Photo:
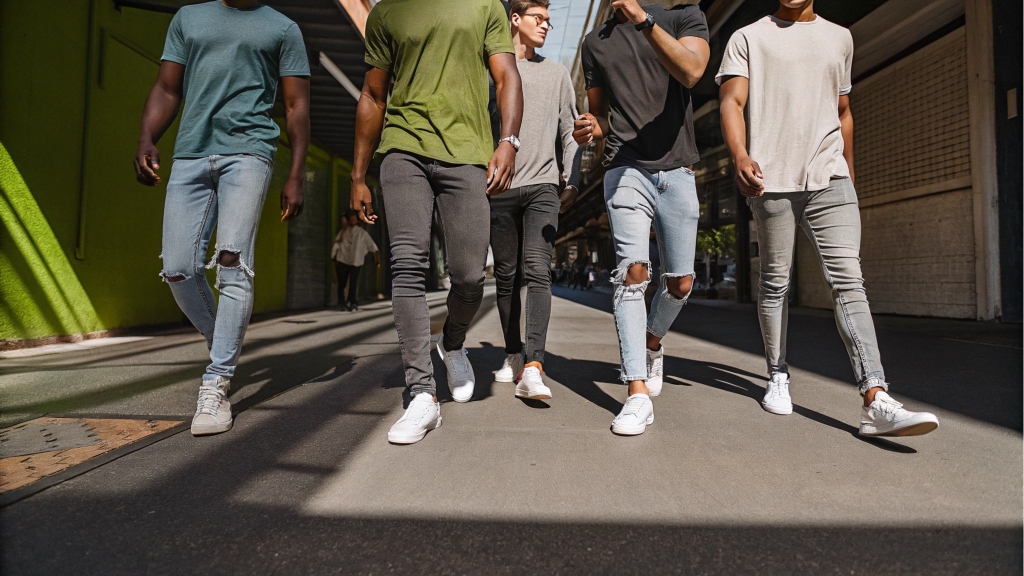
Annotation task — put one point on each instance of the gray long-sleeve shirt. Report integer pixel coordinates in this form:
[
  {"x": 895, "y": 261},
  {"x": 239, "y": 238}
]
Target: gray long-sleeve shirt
[{"x": 549, "y": 110}]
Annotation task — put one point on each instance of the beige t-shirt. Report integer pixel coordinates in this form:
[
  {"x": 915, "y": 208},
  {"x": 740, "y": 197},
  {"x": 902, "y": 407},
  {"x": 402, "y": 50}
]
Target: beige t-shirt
[
  {"x": 796, "y": 71},
  {"x": 352, "y": 245}
]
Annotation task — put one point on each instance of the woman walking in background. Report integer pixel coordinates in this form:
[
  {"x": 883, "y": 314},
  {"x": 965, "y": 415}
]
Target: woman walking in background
[{"x": 351, "y": 246}]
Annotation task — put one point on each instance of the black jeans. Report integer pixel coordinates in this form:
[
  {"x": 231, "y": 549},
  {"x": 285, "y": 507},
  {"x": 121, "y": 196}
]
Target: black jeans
[
  {"x": 414, "y": 188},
  {"x": 349, "y": 273},
  {"x": 523, "y": 225}
]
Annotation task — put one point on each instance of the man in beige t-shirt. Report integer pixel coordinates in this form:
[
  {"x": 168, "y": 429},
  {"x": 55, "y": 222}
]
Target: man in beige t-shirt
[{"x": 791, "y": 71}]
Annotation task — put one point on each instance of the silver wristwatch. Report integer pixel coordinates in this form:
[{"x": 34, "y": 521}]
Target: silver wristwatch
[{"x": 511, "y": 140}]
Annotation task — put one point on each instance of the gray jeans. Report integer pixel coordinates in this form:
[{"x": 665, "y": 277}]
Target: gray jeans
[
  {"x": 831, "y": 219},
  {"x": 523, "y": 225},
  {"x": 413, "y": 189}
]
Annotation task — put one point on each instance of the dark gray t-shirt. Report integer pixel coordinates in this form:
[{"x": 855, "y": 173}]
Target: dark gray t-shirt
[
  {"x": 233, "y": 59},
  {"x": 651, "y": 113}
]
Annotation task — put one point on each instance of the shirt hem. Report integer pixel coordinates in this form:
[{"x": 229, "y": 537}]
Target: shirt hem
[
  {"x": 431, "y": 156},
  {"x": 196, "y": 155}
]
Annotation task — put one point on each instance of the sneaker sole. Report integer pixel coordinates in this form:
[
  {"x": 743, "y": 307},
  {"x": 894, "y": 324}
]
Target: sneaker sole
[
  {"x": 504, "y": 379},
  {"x": 624, "y": 431},
  {"x": 403, "y": 440},
  {"x": 540, "y": 396},
  {"x": 779, "y": 411},
  {"x": 919, "y": 429},
  {"x": 211, "y": 430}
]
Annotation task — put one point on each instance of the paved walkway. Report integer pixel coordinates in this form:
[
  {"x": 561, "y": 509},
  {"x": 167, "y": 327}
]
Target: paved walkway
[{"x": 307, "y": 483}]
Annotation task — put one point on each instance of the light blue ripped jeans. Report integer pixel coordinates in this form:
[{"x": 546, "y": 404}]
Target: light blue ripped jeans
[
  {"x": 637, "y": 199},
  {"x": 225, "y": 193}
]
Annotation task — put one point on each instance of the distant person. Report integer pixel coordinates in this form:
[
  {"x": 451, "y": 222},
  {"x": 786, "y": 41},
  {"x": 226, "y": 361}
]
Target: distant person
[
  {"x": 639, "y": 68},
  {"x": 351, "y": 246},
  {"x": 434, "y": 136},
  {"x": 225, "y": 60},
  {"x": 791, "y": 71},
  {"x": 524, "y": 219}
]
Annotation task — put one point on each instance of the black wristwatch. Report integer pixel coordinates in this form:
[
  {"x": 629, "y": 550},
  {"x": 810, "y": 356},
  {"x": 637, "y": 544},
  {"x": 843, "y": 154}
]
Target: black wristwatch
[{"x": 647, "y": 23}]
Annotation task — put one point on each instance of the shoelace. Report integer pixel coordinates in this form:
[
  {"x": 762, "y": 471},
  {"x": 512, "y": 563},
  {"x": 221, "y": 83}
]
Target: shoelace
[
  {"x": 209, "y": 401},
  {"x": 531, "y": 371},
  {"x": 460, "y": 363},
  {"x": 655, "y": 367},
  {"x": 416, "y": 415},
  {"x": 632, "y": 407},
  {"x": 889, "y": 407},
  {"x": 775, "y": 388}
]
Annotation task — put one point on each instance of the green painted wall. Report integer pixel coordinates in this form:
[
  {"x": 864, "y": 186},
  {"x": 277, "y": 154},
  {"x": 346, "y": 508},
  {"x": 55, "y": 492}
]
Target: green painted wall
[{"x": 70, "y": 104}]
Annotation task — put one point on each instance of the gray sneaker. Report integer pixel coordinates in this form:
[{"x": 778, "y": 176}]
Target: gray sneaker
[{"x": 213, "y": 411}]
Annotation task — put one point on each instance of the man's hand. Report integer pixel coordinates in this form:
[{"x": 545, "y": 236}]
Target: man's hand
[
  {"x": 631, "y": 10},
  {"x": 749, "y": 177},
  {"x": 583, "y": 129},
  {"x": 567, "y": 198},
  {"x": 501, "y": 169},
  {"x": 147, "y": 162},
  {"x": 362, "y": 201},
  {"x": 292, "y": 199}
]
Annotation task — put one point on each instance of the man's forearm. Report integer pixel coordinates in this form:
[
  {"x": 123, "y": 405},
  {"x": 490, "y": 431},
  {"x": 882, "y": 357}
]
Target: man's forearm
[
  {"x": 160, "y": 110},
  {"x": 297, "y": 125},
  {"x": 369, "y": 125},
  {"x": 509, "y": 91},
  {"x": 685, "y": 65},
  {"x": 846, "y": 124},
  {"x": 734, "y": 129}
]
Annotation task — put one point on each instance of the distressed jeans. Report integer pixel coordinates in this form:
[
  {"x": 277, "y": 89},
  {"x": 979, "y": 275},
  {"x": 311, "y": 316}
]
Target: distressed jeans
[
  {"x": 414, "y": 188},
  {"x": 523, "y": 225},
  {"x": 225, "y": 193},
  {"x": 831, "y": 220},
  {"x": 637, "y": 199}
]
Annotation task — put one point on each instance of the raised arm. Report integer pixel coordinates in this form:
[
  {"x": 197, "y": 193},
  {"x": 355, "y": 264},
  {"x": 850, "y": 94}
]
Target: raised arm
[
  {"x": 684, "y": 58},
  {"x": 846, "y": 122},
  {"x": 369, "y": 125},
  {"x": 509, "y": 94},
  {"x": 295, "y": 93},
  {"x": 160, "y": 110},
  {"x": 733, "y": 98}
]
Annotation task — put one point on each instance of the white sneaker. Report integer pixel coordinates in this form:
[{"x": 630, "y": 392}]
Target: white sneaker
[
  {"x": 422, "y": 416},
  {"x": 655, "y": 370},
  {"x": 460, "y": 372},
  {"x": 886, "y": 417},
  {"x": 532, "y": 385},
  {"x": 776, "y": 395},
  {"x": 511, "y": 368},
  {"x": 636, "y": 415},
  {"x": 213, "y": 410}
]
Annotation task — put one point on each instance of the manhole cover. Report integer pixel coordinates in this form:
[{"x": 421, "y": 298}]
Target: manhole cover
[{"x": 36, "y": 437}]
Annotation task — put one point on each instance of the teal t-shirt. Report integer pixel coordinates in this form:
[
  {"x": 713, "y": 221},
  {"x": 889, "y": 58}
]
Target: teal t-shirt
[
  {"x": 437, "y": 52},
  {"x": 233, "y": 59}
]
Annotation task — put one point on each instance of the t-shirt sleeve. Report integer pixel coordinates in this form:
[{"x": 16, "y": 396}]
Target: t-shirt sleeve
[
  {"x": 592, "y": 75},
  {"x": 847, "y": 84},
  {"x": 368, "y": 242},
  {"x": 689, "y": 21},
  {"x": 175, "y": 49},
  {"x": 571, "y": 153},
  {"x": 734, "y": 60},
  {"x": 378, "y": 41},
  {"x": 499, "y": 34},
  {"x": 293, "y": 60}
]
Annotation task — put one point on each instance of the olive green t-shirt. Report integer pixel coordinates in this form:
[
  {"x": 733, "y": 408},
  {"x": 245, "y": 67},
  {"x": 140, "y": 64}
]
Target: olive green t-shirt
[{"x": 437, "y": 53}]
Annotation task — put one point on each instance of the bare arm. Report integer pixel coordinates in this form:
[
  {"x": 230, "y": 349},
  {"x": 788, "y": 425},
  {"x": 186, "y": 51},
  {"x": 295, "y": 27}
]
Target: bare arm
[
  {"x": 846, "y": 121},
  {"x": 295, "y": 93},
  {"x": 509, "y": 92},
  {"x": 593, "y": 125},
  {"x": 684, "y": 58},
  {"x": 160, "y": 110},
  {"x": 733, "y": 98},
  {"x": 369, "y": 125}
]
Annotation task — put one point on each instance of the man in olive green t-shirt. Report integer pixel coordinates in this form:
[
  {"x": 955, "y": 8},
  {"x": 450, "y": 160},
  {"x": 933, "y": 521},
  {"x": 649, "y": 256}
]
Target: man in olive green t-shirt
[{"x": 435, "y": 145}]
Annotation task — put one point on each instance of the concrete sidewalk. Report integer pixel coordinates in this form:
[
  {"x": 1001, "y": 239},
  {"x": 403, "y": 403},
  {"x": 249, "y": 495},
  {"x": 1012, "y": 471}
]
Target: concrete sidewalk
[{"x": 307, "y": 483}]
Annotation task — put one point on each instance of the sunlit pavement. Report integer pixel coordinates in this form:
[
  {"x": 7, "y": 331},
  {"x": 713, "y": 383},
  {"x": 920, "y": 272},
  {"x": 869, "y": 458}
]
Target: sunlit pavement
[{"x": 306, "y": 482}]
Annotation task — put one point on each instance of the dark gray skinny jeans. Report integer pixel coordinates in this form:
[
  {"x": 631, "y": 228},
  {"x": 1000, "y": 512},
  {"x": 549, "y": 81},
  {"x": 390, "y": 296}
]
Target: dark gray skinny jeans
[
  {"x": 414, "y": 188},
  {"x": 524, "y": 221}
]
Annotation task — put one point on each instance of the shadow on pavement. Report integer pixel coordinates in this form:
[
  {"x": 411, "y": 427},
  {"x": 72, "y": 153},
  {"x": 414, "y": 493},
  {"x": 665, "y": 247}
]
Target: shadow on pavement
[{"x": 923, "y": 358}]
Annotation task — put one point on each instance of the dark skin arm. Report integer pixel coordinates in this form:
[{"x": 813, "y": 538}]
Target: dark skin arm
[
  {"x": 509, "y": 93},
  {"x": 684, "y": 58},
  {"x": 295, "y": 93},
  {"x": 592, "y": 125},
  {"x": 160, "y": 110},
  {"x": 846, "y": 122},
  {"x": 733, "y": 97},
  {"x": 369, "y": 124}
]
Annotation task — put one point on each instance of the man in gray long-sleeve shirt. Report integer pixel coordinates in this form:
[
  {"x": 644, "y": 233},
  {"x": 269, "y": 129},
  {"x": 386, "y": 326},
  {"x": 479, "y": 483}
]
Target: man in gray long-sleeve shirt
[{"x": 527, "y": 215}]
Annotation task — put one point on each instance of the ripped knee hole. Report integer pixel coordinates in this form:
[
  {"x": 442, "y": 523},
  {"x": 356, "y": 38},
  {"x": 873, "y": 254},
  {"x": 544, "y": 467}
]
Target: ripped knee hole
[
  {"x": 228, "y": 259},
  {"x": 637, "y": 274},
  {"x": 680, "y": 287}
]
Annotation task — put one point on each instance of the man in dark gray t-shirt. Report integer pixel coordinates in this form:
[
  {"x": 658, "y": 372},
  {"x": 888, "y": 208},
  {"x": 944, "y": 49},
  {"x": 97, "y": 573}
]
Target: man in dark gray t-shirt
[{"x": 640, "y": 65}]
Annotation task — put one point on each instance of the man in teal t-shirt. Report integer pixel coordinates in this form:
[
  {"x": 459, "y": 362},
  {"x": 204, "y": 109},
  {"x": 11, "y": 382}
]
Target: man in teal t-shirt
[
  {"x": 435, "y": 144},
  {"x": 224, "y": 58}
]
